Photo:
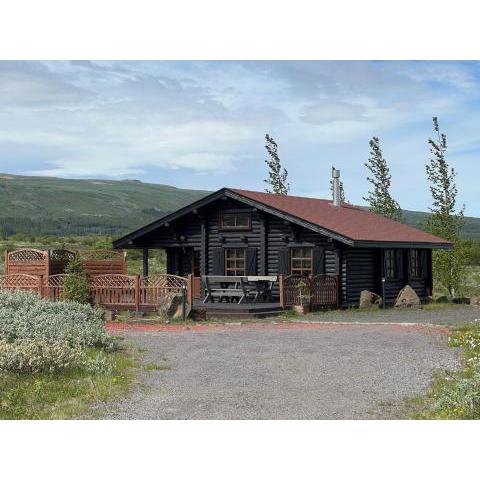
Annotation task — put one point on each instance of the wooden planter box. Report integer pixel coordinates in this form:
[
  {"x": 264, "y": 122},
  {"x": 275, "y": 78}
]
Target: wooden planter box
[{"x": 301, "y": 309}]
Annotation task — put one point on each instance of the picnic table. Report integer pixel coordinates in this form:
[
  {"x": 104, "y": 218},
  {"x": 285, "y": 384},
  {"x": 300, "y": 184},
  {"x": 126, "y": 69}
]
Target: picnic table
[
  {"x": 234, "y": 288},
  {"x": 263, "y": 286}
]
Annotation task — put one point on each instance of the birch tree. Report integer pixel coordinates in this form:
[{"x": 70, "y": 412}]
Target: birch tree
[
  {"x": 277, "y": 180},
  {"x": 379, "y": 198}
]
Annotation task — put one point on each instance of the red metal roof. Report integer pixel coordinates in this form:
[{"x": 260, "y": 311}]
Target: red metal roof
[{"x": 349, "y": 221}]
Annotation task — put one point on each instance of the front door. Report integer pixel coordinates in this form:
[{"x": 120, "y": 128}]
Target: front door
[{"x": 197, "y": 284}]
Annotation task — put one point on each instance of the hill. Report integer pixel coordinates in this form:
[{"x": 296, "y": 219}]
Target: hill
[{"x": 57, "y": 206}]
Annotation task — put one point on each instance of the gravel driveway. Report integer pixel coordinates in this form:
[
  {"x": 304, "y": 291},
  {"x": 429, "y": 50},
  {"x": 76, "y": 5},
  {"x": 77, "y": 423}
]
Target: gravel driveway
[
  {"x": 298, "y": 372},
  {"x": 440, "y": 315}
]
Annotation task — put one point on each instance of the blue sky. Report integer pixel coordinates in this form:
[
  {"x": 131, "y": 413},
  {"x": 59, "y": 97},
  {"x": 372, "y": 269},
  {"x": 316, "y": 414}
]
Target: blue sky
[{"x": 202, "y": 124}]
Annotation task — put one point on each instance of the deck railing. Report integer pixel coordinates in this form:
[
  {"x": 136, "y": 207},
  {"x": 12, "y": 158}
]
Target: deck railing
[
  {"x": 112, "y": 291},
  {"x": 317, "y": 290}
]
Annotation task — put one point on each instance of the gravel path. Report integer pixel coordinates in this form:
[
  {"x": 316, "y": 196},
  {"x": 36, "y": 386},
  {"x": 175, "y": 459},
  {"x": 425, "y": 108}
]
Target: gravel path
[
  {"x": 314, "y": 372},
  {"x": 441, "y": 315}
]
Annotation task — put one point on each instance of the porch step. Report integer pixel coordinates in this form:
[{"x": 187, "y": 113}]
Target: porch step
[{"x": 218, "y": 315}]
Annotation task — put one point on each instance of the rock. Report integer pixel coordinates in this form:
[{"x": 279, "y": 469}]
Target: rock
[
  {"x": 369, "y": 299},
  {"x": 475, "y": 300},
  {"x": 407, "y": 298},
  {"x": 443, "y": 299},
  {"x": 168, "y": 305},
  {"x": 461, "y": 300},
  {"x": 109, "y": 315}
]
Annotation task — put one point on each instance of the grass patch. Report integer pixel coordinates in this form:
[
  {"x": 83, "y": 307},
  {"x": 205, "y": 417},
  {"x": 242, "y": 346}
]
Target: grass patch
[
  {"x": 455, "y": 395},
  {"x": 69, "y": 394}
]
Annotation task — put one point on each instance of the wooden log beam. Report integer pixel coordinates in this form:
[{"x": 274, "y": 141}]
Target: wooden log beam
[{"x": 145, "y": 262}]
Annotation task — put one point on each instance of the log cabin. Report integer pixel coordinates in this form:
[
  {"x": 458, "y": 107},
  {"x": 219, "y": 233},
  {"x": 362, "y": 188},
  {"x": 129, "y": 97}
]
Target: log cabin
[{"x": 234, "y": 232}]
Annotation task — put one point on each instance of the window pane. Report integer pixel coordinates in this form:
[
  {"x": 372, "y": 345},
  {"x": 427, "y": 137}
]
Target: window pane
[
  {"x": 228, "y": 220},
  {"x": 307, "y": 264},
  {"x": 240, "y": 252},
  {"x": 296, "y": 253},
  {"x": 242, "y": 220},
  {"x": 296, "y": 263}
]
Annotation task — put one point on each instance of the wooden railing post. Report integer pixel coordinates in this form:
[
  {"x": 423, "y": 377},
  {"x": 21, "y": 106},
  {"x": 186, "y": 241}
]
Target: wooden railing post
[
  {"x": 5, "y": 262},
  {"x": 137, "y": 292},
  {"x": 190, "y": 288},
  {"x": 40, "y": 286},
  {"x": 282, "y": 294},
  {"x": 46, "y": 290}
]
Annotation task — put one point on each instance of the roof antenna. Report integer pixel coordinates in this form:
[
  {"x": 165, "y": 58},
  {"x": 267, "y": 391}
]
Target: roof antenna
[{"x": 336, "y": 187}]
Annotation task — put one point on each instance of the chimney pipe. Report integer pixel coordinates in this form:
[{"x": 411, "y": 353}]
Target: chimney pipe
[{"x": 336, "y": 187}]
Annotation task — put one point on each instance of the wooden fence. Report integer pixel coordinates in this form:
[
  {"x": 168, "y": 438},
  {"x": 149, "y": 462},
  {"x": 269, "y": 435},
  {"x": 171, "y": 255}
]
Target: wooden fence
[
  {"x": 319, "y": 290},
  {"x": 112, "y": 291},
  {"x": 31, "y": 261}
]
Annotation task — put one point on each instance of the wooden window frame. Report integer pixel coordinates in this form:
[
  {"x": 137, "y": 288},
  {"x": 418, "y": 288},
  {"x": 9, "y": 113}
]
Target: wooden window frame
[
  {"x": 302, "y": 271},
  {"x": 393, "y": 264},
  {"x": 235, "y": 227},
  {"x": 414, "y": 262},
  {"x": 236, "y": 259}
]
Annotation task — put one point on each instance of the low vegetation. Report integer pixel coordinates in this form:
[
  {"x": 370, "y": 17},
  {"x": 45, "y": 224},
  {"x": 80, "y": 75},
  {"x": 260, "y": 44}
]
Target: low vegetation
[
  {"x": 76, "y": 283},
  {"x": 55, "y": 358},
  {"x": 456, "y": 395}
]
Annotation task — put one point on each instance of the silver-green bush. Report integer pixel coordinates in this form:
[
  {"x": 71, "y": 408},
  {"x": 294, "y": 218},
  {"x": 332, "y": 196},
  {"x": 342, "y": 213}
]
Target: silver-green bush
[
  {"x": 34, "y": 356},
  {"x": 25, "y": 316}
]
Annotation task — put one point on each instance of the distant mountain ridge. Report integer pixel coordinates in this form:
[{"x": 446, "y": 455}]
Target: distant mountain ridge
[{"x": 58, "y": 206}]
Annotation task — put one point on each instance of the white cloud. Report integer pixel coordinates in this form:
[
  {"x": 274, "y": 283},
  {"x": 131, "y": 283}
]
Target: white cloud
[{"x": 125, "y": 119}]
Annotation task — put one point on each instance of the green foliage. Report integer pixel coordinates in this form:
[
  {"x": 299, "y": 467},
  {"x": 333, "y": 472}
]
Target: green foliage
[
  {"x": 25, "y": 316},
  {"x": 75, "y": 288},
  {"x": 56, "y": 206},
  {"x": 66, "y": 393},
  {"x": 457, "y": 394},
  {"x": 445, "y": 221},
  {"x": 380, "y": 199},
  {"x": 32, "y": 356},
  {"x": 277, "y": 178}
]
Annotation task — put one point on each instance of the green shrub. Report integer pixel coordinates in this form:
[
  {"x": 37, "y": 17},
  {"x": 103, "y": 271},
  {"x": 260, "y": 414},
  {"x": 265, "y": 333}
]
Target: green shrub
[
  {"x": 25, "y": 316},
  {"x": 34, "y": 356},
  {"x": 97, "y": 365},
  {"x": 76, "y": 283}
]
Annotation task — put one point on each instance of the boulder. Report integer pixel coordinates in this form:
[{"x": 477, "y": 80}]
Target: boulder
[
  {"x": 168, "y": 305},
  {"x": 369, "y": 299},
  {"x": 475, "y": 300},
  {"x": 407, "y": 298}
]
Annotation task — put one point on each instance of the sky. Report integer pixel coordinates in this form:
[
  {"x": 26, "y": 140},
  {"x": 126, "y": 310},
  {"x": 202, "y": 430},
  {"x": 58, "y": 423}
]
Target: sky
[{"x": 202, "y": 125}]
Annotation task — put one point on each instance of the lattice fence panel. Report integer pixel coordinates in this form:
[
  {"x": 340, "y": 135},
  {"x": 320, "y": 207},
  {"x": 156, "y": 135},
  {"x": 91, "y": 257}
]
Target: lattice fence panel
[
  {"x": 53, "y": 286},
  {"x": 62, "y": 255},
  {"x": 18, "y": 281},
  {"x": 156, "y": 287},
  {"x": 324, "y": 290},
  {"x": 293, "y": 285},
  {"x": 113, "y": 290},
  {"x": 27, "y": 255}
]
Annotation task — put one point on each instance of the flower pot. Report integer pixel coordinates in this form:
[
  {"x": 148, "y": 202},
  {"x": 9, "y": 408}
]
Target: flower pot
[{"x": 301, "y": 309}]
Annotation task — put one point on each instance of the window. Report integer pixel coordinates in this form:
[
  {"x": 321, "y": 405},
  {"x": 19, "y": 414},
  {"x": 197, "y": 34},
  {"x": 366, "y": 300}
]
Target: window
[
  {"x": 301, "y": 261},
  {"x": 235, "y": 262},
  {"x": 235, "y": 221},
  {"x": 390, "y": 265},
  {"x": 414, "y": 264}
]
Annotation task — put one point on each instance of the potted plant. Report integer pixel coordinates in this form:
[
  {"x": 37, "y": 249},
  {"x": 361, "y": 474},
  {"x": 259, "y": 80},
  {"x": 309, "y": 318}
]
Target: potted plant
[{"x": 303, "y": 299}]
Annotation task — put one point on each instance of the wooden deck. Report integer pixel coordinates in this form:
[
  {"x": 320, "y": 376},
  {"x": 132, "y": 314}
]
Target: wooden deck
[{"x": 235, "y": 310}]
